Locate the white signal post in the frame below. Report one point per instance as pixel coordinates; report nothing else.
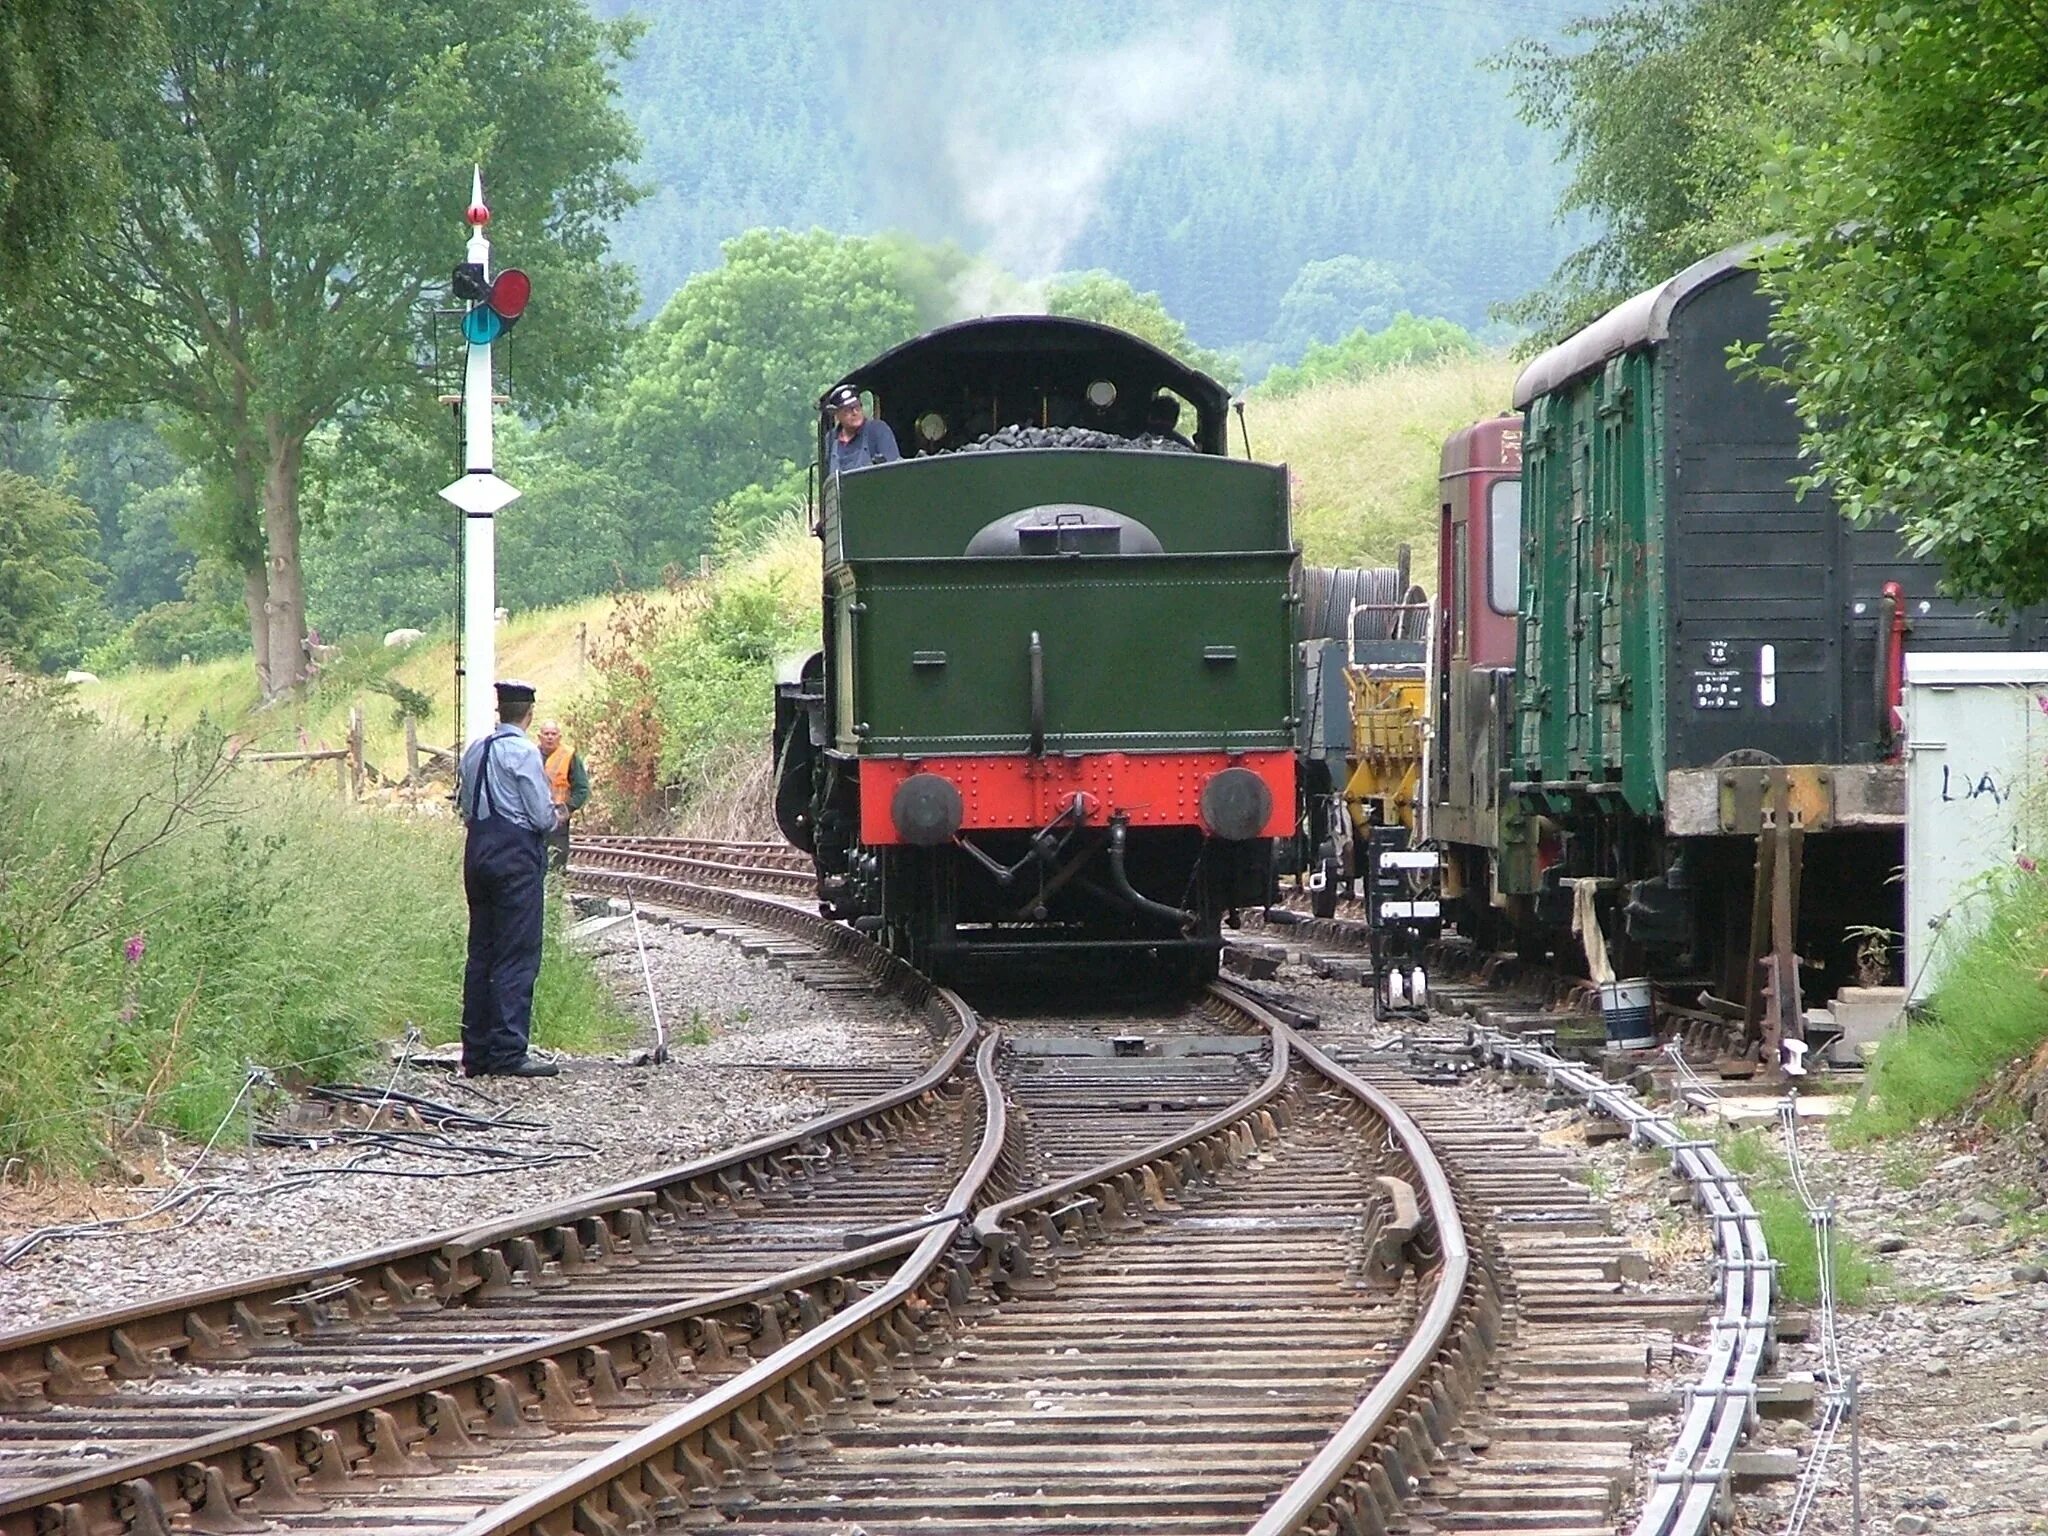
(480, 495)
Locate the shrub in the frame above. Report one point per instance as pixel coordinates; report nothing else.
(715, 676)
(169, 918)
(682, 703)
(164, 635)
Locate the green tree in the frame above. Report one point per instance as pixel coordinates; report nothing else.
(1913, 299)
(1109, 300)
(1659, 105)
(722, 391)
(292, 179)
(46, 564)
(1362, 354)
(1331, 299)
(56, 171)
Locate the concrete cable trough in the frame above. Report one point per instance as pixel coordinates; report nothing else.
(1692, 1486)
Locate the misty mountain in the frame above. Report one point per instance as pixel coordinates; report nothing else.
(1207, 152)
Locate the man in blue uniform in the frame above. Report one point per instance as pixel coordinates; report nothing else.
(856, 442)
(503, 796)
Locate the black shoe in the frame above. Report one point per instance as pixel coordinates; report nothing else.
(529, 1066)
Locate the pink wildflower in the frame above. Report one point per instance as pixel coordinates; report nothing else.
(2026, 863)
(134, 949)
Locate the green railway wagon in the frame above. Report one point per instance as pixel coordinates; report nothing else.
(1705, 654)
(1054, 705)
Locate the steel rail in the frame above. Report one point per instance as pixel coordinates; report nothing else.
(620, 858)
(71, 1361)
(1359, 1479)
(685, 1460)
(688, 1456)
(780, 856)
(614, 1491)
(1692, 1483)
(1119, 1183)
(276, 1463)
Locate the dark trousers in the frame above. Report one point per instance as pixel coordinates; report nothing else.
(503, 874)
(558, 849)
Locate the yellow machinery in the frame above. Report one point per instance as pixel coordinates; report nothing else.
(1389, 714)
(1386, 762)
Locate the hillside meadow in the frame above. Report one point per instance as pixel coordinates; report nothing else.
(1363, 456)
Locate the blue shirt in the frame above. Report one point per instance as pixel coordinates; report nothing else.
(874, 443)
(516, 788)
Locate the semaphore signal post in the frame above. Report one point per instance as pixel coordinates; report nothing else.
(496, 305)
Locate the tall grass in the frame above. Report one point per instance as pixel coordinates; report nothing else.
(1789, 1236)
(1989, 1012)
(1364, 456)
(169, 920)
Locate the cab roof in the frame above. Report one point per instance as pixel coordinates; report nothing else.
(1016, 355)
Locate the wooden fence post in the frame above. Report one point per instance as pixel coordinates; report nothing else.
(412, 750)
(355, 750)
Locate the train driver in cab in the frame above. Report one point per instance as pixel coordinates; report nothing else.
(856, 442)
(1162, 419)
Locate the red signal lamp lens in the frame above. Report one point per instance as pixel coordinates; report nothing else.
(510, 290)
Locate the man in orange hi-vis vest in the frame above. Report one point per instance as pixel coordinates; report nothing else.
(568, 782)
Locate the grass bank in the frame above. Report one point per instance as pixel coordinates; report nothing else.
(1989, 1014)
(168, 919)
(1364, 456)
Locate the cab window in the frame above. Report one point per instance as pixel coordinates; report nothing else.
(1503, 545)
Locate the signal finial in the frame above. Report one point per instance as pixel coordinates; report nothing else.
(476, 213)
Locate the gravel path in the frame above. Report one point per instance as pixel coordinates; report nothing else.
(1950, 1347)
(752, 1051)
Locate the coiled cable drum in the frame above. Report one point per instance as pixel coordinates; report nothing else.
(1330, 595)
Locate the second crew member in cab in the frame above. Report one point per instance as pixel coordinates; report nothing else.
(855, 442)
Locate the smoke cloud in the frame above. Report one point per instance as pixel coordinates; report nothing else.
(1012, 151)
(1032, 190)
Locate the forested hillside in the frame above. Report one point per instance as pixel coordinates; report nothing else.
(1322, 188)
(1207, 154)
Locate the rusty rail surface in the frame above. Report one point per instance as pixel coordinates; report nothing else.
(73, 1362)
(1359, 1480)
(1693, 1484)
(740, 1426)
(727, 849)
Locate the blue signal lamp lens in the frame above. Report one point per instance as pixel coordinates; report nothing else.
(482, 326)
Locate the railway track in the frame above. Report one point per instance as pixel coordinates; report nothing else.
(750, 866)
(247, 1394)
(1160, 1271)
(1233, 1318)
